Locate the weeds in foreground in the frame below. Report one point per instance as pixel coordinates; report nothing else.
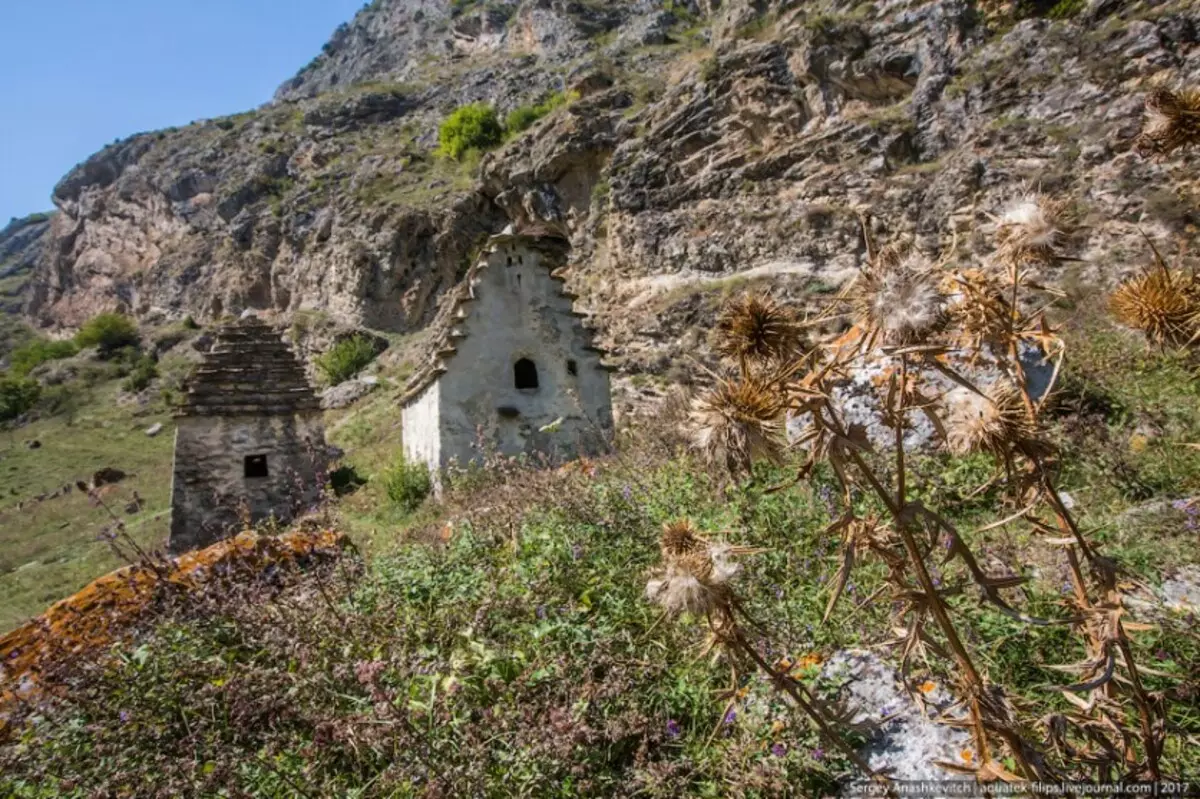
(953, 352)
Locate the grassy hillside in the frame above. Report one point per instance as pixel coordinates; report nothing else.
(501, 645)
(51, 548)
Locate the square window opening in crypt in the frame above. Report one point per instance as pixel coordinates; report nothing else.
(255, 466)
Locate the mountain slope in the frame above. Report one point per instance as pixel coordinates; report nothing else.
(706, 145)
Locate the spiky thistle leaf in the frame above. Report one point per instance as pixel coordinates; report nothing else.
(756, 328)
(979, 311)
(1172, 122)
(738, 421)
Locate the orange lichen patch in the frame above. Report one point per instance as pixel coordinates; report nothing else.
(96, 615)
(967, 755)
(926, 687)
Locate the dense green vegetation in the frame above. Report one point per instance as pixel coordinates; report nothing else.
(346, 358)
(472, 127)
(108, 331)
(407, 484)
(26, 358)
(18, 395)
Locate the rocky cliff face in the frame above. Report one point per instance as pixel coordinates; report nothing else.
(20, 248)
(707, 144)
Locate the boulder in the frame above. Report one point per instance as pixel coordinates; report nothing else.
(107, 476)
(346, 393)
(154, 429)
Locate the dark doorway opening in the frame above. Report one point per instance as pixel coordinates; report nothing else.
(255, 466)
(525, 374)
(572, 368)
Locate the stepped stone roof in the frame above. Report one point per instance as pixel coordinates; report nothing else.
(249, 371)
(455, 305)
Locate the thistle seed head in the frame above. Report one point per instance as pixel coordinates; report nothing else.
(899, 298)
(695, 583)
(739, 421)
(1032, 228)
(1172, 122)
(1163, 304)
(756, 328)
(979, 311)
(992, 422)
(680, 537)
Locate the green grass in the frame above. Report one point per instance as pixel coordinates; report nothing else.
(526, 614)
(49, 549)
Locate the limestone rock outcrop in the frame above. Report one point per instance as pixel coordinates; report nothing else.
(705, 146)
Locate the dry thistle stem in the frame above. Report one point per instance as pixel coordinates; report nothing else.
(1172, 122)
(994, 421)
(738, 421)
(1031, 228)
(1163, 304)
(756, 328)
(898, 298)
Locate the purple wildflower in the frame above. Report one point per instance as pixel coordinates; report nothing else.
(730, 716)
(779, 750)
(541, 611)
(627, 493)
(818, 754)
(1161, 654)
(673, 728)
(124, 716)
(576, 551)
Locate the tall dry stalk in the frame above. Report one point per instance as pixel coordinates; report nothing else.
(921, 328)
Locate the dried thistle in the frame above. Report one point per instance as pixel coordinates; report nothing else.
(993, 421)
(898, 298)
(756, 328)
(680, 537)
(739, 421)
(1172, 122)
(979, 312)
(1031, 228)
(1163, 304)
(695, 573)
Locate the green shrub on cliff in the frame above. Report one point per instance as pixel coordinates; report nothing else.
(17, 395)
(144, 370)
(520, 119)
(108, 331)
(470, 127)
(345, 359)
(28, 357)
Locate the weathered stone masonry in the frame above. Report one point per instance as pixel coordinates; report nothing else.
(249, 440)
(511, 366)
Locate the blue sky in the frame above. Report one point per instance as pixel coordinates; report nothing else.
(77, 74)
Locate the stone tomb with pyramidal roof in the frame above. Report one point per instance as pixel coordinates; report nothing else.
(249, 441)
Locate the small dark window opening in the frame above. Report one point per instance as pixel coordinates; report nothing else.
(510, 260)
(518, 278)
(256, 466)
(525, 374)
(572, 368)
(520, 259)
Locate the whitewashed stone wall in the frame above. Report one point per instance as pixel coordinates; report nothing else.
(520, 312)
(419, 428)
